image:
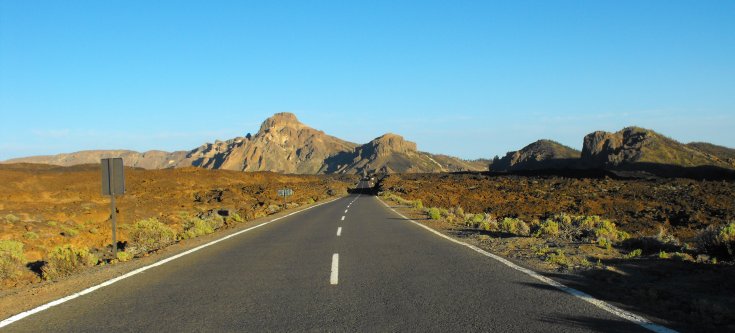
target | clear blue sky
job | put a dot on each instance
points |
(470, 79)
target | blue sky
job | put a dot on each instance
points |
(470, 79)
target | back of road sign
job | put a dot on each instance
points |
(113, 179)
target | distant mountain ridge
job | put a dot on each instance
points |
(632, 149)
(282, 144)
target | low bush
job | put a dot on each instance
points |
(124, 256)
(417, 204)
(196, 227)
(558, 258)
(434, 213)
(11, 218)
(11, 259)
(634, 254)
(514, 226)
(30, 235)
(548, 228)
(236, 217)
(150, 235)
(718, 241)
(66, 259)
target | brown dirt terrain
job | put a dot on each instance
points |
(686, 292)
(46, 206)
(682, 206)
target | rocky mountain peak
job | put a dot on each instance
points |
(280, 120)
(389, 143)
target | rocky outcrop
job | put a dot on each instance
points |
(283, 144)
(391, 153)
(542, 154)
(635, 145)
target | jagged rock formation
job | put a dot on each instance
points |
(283, 144)
(640, 145)
(542, 154)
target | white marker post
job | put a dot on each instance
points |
(113, 183)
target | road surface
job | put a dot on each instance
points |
(349, 265)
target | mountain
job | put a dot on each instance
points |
(282, 144)
(635, 145)
(153, 159)
(542, 154)
(391, 153)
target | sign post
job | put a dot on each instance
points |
(285, 192)
(113, 183)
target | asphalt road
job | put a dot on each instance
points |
(392, 275)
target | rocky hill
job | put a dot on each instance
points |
(153, 159)
(542, 154)
(282, 144)
(635, 145)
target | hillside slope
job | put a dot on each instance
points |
(542, 154)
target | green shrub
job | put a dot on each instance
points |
(488, 224)
(52, 223)
(633, 254)
(604, 243)
(663, 255)
(557, 257)
(310, 201)
(514, 226)
(11, 218)
(236, 217)
(196, 227)
(11, 259)
(66, 259)
(150, 235)
(30, 235)
(608, 230)
(124, 256)
(718, 240)
(417, 204)
(548, 228)
(434, 213)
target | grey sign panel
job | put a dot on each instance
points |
(113, 178)
(285, 192)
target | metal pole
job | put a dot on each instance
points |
(114, 210)
(114, 228)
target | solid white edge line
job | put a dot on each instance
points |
(51, 304)
(339, 231)
(569, 290)
(334, 276)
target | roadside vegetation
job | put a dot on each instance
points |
(550, 236)
(685, 280)
(41, 245)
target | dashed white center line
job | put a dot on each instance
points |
(339, 231)
(334, 277)
(345, 211)
(342, 219)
